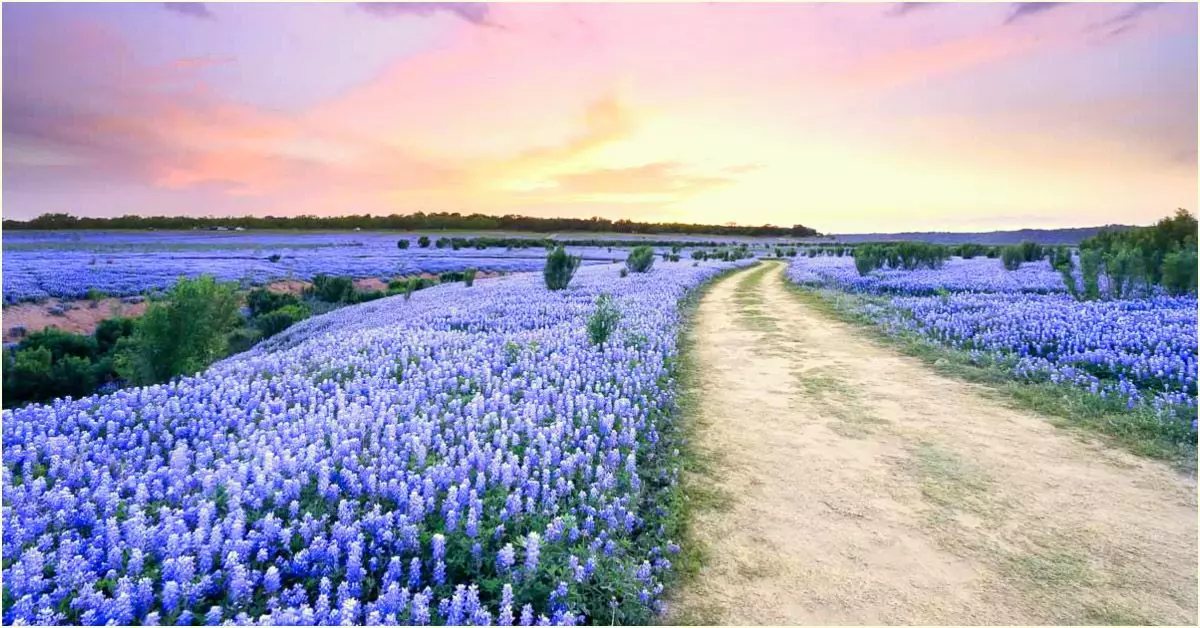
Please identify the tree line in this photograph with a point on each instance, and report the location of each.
(407, 222)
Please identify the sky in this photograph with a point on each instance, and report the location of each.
(843, 117)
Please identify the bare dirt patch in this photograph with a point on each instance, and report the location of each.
(866, 489)
(81, 316)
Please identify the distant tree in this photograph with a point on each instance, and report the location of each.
(469, 277)
(423, 242)
(403, 244)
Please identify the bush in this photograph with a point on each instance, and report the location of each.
(110, 331)
(243, 339)
(624, 272)
(412, 285)
(640, 260)
(469, 276)
(260, 301)
(275, 257)
(182, 334)
(402, 244)
(423, 242)
(1089, 267)
(603, 320)
(368, 295)
(1012, 257)
(1179, 271)
(698, 255)
(331, 289)
(274, 322)
(450, 276)
(559, 269)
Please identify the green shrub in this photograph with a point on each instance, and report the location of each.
(624, 272)
(698, 255)
(110, 331)
(450, 276)
(1179, 270)
(412, 285)
(260, 301)
(423, 242)
(402, 244)
(274, 322)
(61, 343)
(243, 339)
(368, 295)
(469, 276)
(274, 257)
(442, 243)
(640, 260)
(1012, 257)
(603, 320)
(181, 334)
(332, 289)
(1089, 267)
(559, 269)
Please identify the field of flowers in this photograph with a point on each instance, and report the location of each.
(465, 457)
(38, 265)
(1141, 351)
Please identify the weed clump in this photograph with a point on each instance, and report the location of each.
(603, 320)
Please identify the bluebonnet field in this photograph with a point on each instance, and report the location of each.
(43, 264)
(466, 457)
(1141, 351)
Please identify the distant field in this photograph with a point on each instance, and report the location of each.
(67, 264)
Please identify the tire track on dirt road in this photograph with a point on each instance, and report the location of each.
(863, 488)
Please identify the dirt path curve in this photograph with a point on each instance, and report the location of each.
(862, 488)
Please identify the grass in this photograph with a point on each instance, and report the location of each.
(749, 300)
(1137, 431)
(696, 491)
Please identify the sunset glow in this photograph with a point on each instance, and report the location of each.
(847, 118)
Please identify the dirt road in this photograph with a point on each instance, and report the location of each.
(862, 488)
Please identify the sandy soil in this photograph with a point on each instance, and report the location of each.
(862, 488)
(81, 319)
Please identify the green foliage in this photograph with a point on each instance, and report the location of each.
(60, 343)
(1125, 271)
(624, 272)
(1012, 257)
(412, 285)
(260, 301)
(278, 320)
(469, 276)
(368, 295)
(332, 289)
(1066, 268)
(899, 255)
(699, 255)
(1171, 242)
(450, 276)
(603, 320)
(559, 269)
(182, 334)
(110, 331)
(419, 221)
(1089, 268)
(640, 260)
(34, 374)
(95, 295)
(274, 257)
(402, 244)
(1031, 251)
(423, 242)
(242, 339)
(1179, 270)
